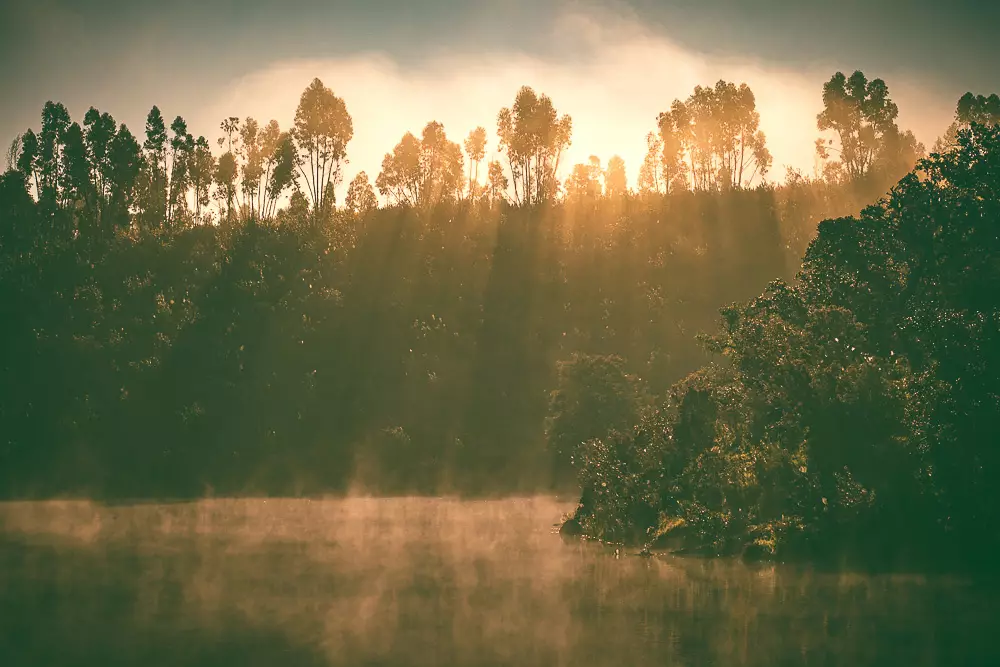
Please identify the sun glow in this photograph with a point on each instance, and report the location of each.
(614, 93)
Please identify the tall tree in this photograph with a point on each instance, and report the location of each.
(74, 173)
(28, 159)
(422, 172)
(181, 151)
(13, 151)
(584, 182)
(533, 137)
(55, 123)
(155, 177)
(126, 165)
(225, 179)
(323, 128)
(497, 181)
(360, 195)
(971, 109)
(717, 131)
(649, 173)
(615, 178)
(201, 169)
(475, 149)
(672, 129)
(863, 117)
(99, 133)
(282, 172)
(978, 109)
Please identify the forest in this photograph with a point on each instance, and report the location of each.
(715, 351)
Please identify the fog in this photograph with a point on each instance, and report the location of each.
(616, 77)
(611, 73)
(425, 581)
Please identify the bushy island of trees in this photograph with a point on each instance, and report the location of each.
(849, 414)
(181, 319)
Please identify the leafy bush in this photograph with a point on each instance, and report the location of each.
(854, 411)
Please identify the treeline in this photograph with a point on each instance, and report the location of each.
(177, 322)
(850, 414)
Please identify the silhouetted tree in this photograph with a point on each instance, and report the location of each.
(475, 150)
(718, 131)
(584, 183)
(422, 172)
(498, 182)
(360, 195)
(533, 138)
(650, 180)
(154, 177)
(863, 116)
(615, 178)
(323, 128)
(970, 109)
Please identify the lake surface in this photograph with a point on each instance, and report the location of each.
(415, 581)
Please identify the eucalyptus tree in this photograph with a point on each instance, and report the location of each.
(862, 117)
(323, 128)
(422, 171)
(475, 149)
(971, 109)
(615, 178)
(650, 180)
(360, 197)
(497, 183)
(533, 138)
(715, 134)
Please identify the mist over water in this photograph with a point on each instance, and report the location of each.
(430, 581)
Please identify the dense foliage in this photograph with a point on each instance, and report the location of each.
(179, 320)
(853, 411)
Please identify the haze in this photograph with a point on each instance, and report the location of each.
(612, 66)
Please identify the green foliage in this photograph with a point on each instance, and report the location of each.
(594, 395)
(173, 323)
(854, 410)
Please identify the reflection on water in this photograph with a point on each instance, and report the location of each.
(435, 582)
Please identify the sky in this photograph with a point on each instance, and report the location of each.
(613, 65)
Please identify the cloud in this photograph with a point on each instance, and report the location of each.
(604, 68)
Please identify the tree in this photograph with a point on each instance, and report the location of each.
(649, 173)
(13, 152)
(615, 178)
(422, 172)
(126, 165)
(717, 131)
(282, 172)
(978, 109)
(55, 123)
(154, 206)
(74, 172)
(201, 170)
(259, 153)
(323, 128)
(99, 133)
(498, 182)
(594, 395)
(475, 149)
(181, 151)
(584, 182)
(863, 117)
(360, 195)
(970, 109)
(225, 179)
(673, 129)
(533, 138)
(399, 179)
(28, 158)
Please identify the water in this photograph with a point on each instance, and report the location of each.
(436, 582)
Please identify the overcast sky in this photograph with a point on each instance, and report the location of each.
(611, 65)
